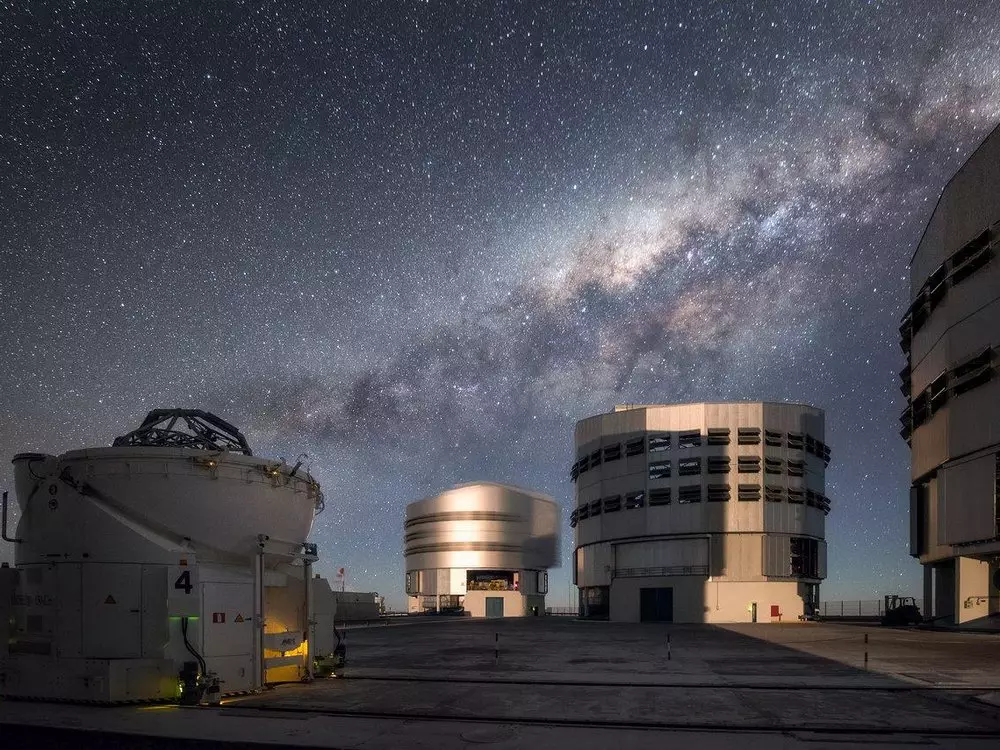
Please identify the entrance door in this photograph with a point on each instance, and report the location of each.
(494, 606)
(656, 605)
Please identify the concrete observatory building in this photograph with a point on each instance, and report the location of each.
(700, 512)
(481, 548)
(951, 337)
(170, 565)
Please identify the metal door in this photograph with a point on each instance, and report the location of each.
(494, 606)
(111, 610)
(656, 604)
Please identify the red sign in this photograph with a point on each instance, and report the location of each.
(218, 617)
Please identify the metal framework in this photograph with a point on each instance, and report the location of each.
(186, 428)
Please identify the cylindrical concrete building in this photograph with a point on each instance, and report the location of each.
(700, 512)
(481, 548)
(951, 337)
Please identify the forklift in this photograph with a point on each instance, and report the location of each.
(901, 610)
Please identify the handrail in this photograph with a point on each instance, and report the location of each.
(4, 530)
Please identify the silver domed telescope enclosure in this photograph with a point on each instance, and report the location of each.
(174, 558)
(482, 549)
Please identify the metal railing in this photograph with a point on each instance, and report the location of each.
(671, 570)
(856, 608)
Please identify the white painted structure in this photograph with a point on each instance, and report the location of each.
(708, 512)
(121, 550)
(951, 336)
(481, 548)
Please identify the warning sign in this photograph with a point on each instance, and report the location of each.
(238, 618)
(218, 617)
(110, 600)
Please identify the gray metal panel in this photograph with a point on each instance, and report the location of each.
(112, 604)
(155, 624)
(966, 493)
(777, 555)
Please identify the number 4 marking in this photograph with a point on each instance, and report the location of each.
(183, 582)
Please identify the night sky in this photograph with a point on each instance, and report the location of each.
(419, 240)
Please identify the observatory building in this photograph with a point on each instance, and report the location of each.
(700, 512)
(951, 337)
(173, 564)
(483, 549)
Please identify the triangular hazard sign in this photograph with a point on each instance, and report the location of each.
(110, 600)
(239, 618)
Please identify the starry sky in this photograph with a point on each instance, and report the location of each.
(419, 240)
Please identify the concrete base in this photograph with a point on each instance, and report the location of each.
(697, 599)
(88, 680)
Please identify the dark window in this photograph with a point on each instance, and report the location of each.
(749, 492)
(795, 495)
(659, 470)
(635, 447)
(748, 464)
(573, 517)
(826, 454)
(595, 458)
(659, 442)
(717, 464)
(612, 504)
(595, 508)
(814, 499)
(772, 465)
(659, 497)
(718, 493)
(575, 471)
(795, 440)
(584, 464)
(689, 494)
(613, 452)
(689, 439)
(796, 468)
(971, 373)
(772, 438)
(687, 467)
(804, 557)
(583, 512)
(774, 494)
(811, 444)
(718, 436)
(635, 500)
(748, 436)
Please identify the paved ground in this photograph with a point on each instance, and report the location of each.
(564, 683)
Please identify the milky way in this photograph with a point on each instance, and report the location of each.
(418, 242)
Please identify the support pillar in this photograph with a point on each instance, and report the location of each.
(927, 610)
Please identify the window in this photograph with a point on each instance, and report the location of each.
(772, 465)
(796, 468)
(811, 444)
(595, 458)
(575, 471)
(718, 436)
(804, 557)
(795, 440)
(973, 372)
(595, 508)
(689, 439)
(543, 582)
(748, 436)
(748, 464)
(689, 494)
(635, 447)
(583, 512)
(584, 464)
(795, 495)
(659, 442)
(573, 518)
(688, 467)
(749, 492)
(718, 493)
(659, 497)
(635, 500)
(813, 499)
(613, 452)
(612, 504)
(772, 438)
(411, 583)
(717, 464)
(659, 470)
(774, 494)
